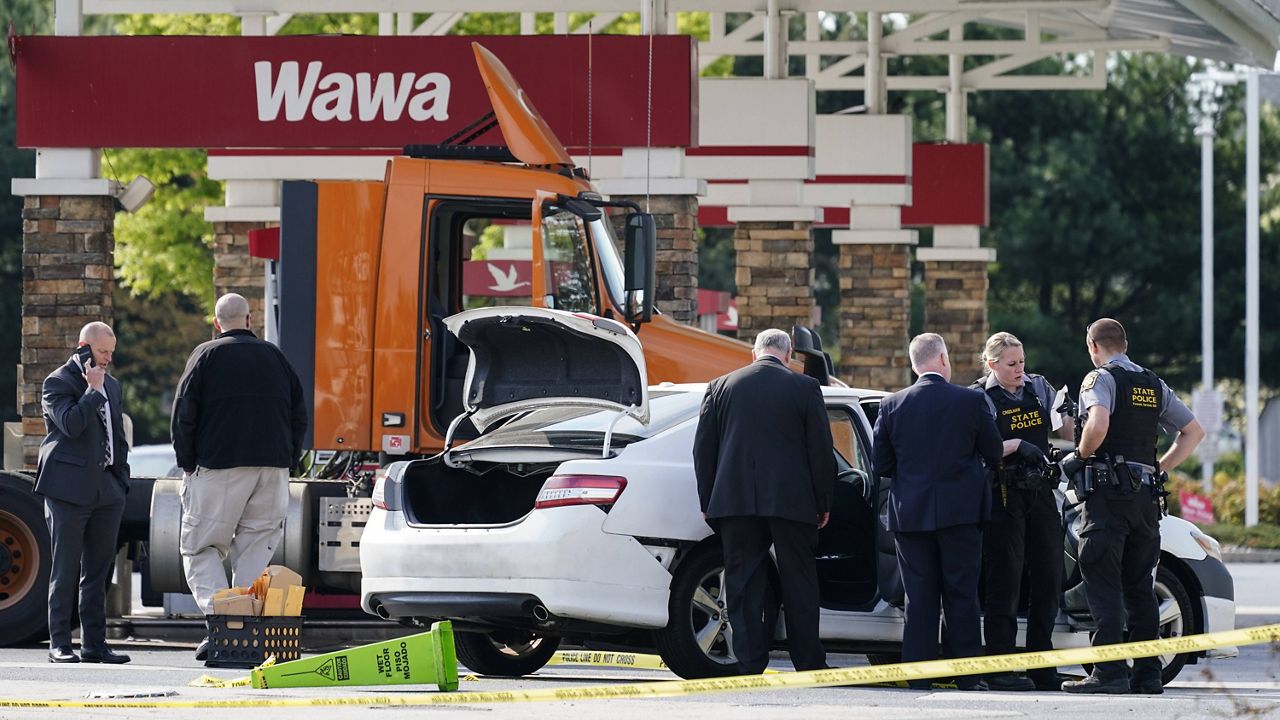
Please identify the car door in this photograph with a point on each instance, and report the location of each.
(846, 556)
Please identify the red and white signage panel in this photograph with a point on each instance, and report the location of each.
(342, 92)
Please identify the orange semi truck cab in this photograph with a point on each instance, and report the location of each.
(370, 269)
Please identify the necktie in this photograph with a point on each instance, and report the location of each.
(106, 433)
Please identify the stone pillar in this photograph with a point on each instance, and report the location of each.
(677, 220)
(234, 270)
(955, 295)
(774, 276)
(68, 246)
(875, 314)
(955, 307)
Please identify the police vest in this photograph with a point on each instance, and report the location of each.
(1135, 415)
(1020, 419)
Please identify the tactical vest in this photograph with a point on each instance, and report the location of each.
(1023, 419)
(1135, 415)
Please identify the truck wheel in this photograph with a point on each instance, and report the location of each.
(25, 559)
(505, 653)
(698, 640)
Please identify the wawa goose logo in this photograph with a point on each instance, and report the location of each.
(344, 97)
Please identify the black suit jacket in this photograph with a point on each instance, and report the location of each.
(72, 451)
(931, 439)
(763, 445)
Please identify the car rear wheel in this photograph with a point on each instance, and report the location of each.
(25, 559)
(505, 653)
(1177, 618)
(698, 640)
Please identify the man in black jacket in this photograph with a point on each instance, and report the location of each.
(931, 440)
(83, 474)
(766, 468)
(239, 418)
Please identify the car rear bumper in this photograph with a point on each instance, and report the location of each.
(557, 558)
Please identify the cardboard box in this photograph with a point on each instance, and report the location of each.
(279, 576)
(235, 604)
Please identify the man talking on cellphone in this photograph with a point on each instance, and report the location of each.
(83, 475)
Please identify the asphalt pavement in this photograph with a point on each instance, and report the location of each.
(1245, 686)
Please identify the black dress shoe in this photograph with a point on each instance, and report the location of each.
(980, 686)
(1010, 683)
(1095, 685)
(63, 654)
(105, 655)
(1049, 683)
(202, 650)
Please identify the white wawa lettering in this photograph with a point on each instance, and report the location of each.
(426, 97)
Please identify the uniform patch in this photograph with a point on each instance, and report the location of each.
(1089, 380)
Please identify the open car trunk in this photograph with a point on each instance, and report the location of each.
(479, 494)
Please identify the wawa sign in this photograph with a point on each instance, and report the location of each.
(341, 92)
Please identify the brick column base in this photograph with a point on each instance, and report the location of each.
(677, 218)
(875, 313)
(955, 307)
(235, 270)
(774, 276)
(68, 248)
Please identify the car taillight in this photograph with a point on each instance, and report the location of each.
(561, 490)
(380, 492)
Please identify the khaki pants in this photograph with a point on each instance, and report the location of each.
(233, 512)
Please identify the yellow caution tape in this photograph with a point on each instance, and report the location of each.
(677, 688)
(210, 681)
(608, 659)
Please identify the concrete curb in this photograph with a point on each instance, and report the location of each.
(1249, 555)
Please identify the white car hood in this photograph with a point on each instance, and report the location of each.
(526, 358)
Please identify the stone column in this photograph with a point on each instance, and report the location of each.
(875, 314)
(677, 220)
(68, 246)
(774, 276)
(955, 307)
(234, 270)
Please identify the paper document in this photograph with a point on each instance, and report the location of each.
(1056, 417)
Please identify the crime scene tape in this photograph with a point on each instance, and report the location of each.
(678, 688)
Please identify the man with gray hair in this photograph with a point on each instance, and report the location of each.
(765, 466)
(931, 440)
(83, 475)
(239, 418)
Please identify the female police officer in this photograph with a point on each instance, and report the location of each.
(1025, 521)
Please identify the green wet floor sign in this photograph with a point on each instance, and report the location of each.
(424, 659)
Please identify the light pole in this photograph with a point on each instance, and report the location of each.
(1207, 403)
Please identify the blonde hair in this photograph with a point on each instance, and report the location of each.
(995, 347)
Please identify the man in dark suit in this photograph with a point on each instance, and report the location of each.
(766, 470)
(931, 439)
(83, 475)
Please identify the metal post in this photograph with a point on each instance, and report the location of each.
(68, 17)
(1205, 131)
(774, 42)
(957, 112)
(1251, 303)
(875, 67)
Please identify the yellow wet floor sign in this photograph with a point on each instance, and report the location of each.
(423, 659)
(679, 688)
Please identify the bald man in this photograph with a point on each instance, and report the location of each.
(83, 474)
(238, 422)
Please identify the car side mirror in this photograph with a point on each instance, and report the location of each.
(640, 267)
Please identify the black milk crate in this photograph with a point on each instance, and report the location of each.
(245, 641)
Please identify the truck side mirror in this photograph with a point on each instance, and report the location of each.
(807, 344)
(640, 267)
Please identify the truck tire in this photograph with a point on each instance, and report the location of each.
(697, 641)
(505, 653)
(25, 559)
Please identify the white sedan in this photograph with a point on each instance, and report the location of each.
(574, 515)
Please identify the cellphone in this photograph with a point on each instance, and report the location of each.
(86, 356)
